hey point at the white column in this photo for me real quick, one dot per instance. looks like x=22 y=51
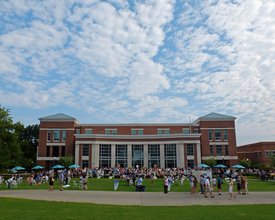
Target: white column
x=129 y=156
x=161 y=149
x=145 y=155
x=95 y=155
x=182 y=152
x=180 y=155
x=76 y=158
x=113 y=155
x=199 y=153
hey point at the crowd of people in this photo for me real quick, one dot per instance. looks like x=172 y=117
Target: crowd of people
x=204 y=184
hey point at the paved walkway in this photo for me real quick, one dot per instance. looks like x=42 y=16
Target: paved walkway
x=140 y=198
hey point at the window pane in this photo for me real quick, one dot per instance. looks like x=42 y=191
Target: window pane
x=104 y=155
x=63 y=135
x=137 y=156
x=153 y=155
x=190 y=149
x=85 y=150
x=121 y=155
x=225 y=135
x=56 y=135
x=210 y=135
x=218 y=135
x=170 y=155
x=219 y=150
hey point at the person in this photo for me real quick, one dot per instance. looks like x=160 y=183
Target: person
x=230 y=189
x=139 y=183
x=208 y=188
x=165 y=185
x=195 y=184
x=10 y=181
x=202 y=180
x=51 y=182
x=219 y=180
x=61 y=180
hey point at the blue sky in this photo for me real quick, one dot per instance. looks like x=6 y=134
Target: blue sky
x=140 y=61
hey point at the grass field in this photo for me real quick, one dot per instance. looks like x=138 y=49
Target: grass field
x=29 y=209
x=157 y=186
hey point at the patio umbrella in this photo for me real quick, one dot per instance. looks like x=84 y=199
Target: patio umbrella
x=74 y=166
x=202 y=165
x=220 y=166
x=18 y=168
x=238 y=166
x=38 y=167
x=58 y=166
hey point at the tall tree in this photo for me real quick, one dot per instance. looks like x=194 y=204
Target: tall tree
x=10 y=152
x=29 y=142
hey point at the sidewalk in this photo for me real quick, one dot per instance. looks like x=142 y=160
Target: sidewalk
x=140 y=198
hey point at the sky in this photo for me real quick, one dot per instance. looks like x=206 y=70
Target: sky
x=154 y=61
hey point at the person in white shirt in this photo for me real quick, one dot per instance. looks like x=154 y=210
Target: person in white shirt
x=208 y=189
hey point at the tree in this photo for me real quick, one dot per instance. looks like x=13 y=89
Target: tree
x=10 y=152
x=66 y=161
x=272 y=161
x=29 y=142
x=245 y=162
x=211 y=162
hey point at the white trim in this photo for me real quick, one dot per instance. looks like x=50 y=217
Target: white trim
x=230 y=128
x=220 y=157
x=48 y=158
x=85 y=158
x=218 y=143
x=55 y=144
x=110 y=129
x=155 y=136
x=191 y=157
x=53 y=129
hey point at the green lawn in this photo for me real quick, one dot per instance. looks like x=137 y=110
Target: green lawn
x=157 y=186
x=29 y=209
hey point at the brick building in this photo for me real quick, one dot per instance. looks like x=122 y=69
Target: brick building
x=257 y=153
x=161 y=145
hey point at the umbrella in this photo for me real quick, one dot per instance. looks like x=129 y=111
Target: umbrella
x=18 y=168
x=38 y=167
x=220 y=166
x=238 y=166
x=57 y=167
x=202 y=165
x=74 y=166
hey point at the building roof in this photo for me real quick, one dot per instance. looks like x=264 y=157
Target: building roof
x=215 y=117
x=57 y=117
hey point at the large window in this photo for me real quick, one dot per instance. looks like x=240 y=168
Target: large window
x=56 y=135
x=218 y=135
x=85 y=150
x=63 y=151
x=88 y=131
x=186 y=131
x=85 y=163
x=136 y=131
x=162 y=131
x=55 y=151
x=190 y=149
x=170 y=155
x=225 y=135
x=137 y=156
x=226 y=150
x=104 y=155
x=49 y=136
x=153 y=155
x=121 y=155
x=111 y=131
x=219 y=150
x=190 y=164
x=63 y=135
x=210 y=135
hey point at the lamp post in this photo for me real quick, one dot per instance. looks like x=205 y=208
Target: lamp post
x=223 y=160
x=247 y=161
x=54 y=161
